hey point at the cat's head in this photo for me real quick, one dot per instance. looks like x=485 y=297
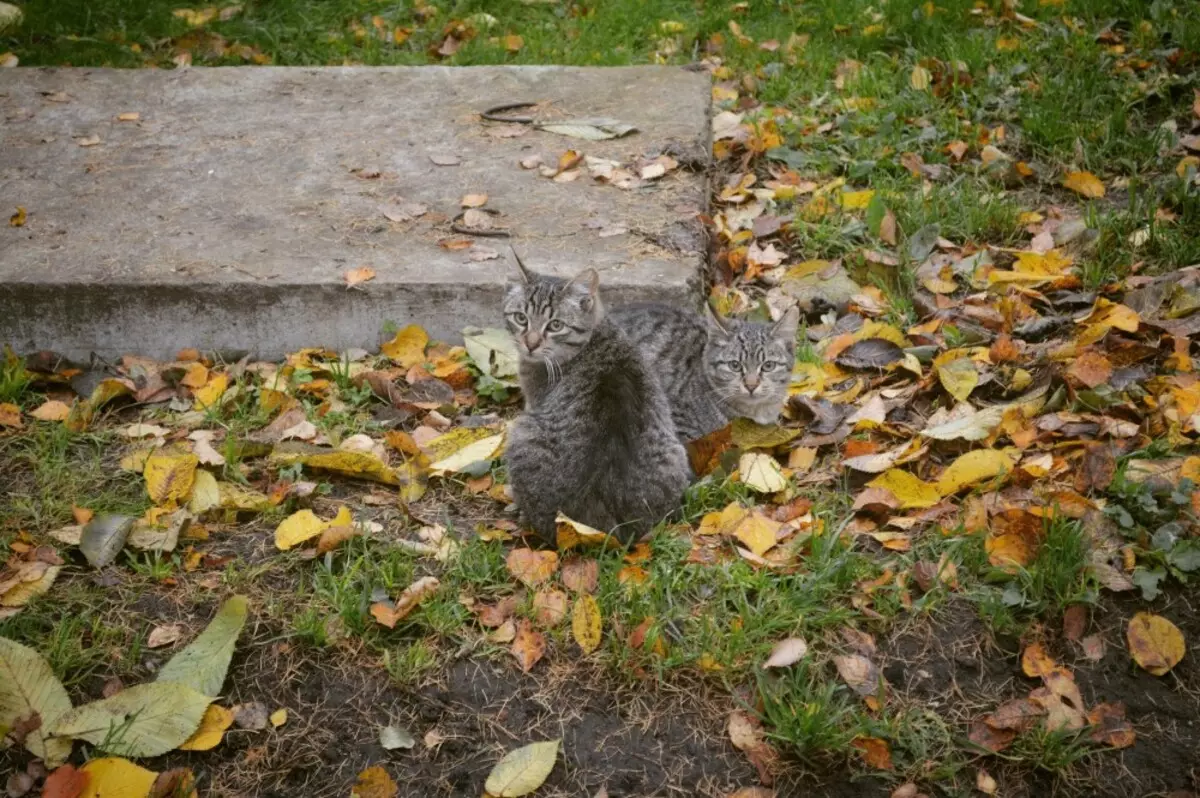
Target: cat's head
x=749 y=364
x=551 y=318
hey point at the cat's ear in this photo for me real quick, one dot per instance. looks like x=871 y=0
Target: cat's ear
x=587 y=284
x=785 y=329
x=716 y=325
x=526 y=276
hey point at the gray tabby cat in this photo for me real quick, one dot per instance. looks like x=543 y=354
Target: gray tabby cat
x=596 y=441
x=714 y=369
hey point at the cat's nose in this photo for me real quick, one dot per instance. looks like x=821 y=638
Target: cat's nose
x=532 y=341
x=751 y=381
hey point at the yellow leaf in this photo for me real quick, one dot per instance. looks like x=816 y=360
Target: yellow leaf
x=761 y=472
x=279 y=717
x=356 y=464
x=1084 y=183
x=958 y=377
x=513 y=43
x=52 y=410
x=920 y=78
x=856 y=200
x=530 y=567
x=443 y=446
x=912 y=492
x=196 y=376
x=724 y=521
x=212 y=729
x=170 y=477
x=10 y=415
x=485 y=449
x=973 y=468
x=586 y=623
x=757 y=532
x=304 y=525
x=374 y=782
x=407 y=349
x=212 y=391
x=1155 y=643
x=113 y=777
x=1007 y=44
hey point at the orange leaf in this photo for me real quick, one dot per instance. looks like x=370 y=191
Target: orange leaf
x=1036 y=662
x=359 y=275
x=413 y=595
x=1084 y=183
x=875 y=752
x=528 y=646
x=531 y=567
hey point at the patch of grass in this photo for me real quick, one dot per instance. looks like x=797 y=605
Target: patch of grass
x=14 y=379
x=409 y=664
x=50 y=469
x=1057 y=752
x=813 y=715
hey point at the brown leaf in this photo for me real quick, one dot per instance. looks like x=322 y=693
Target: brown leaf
x=1097 y=469
x=581 y=575
x=374 y=782
x=550 y=606
x=1111 y=727
x=529 y=646
x=474 y=200
x=743 y=731
x=1075 y=622
x=493 y=615
x=65 y=782
x=1014 y=538
x=1090 y=369
x=1093 y=647
x=858 y=672
x=994 y=740
x=704 y=454
x=413 y=595
x=174 y=783
x=1018 y=715
x=530 y=567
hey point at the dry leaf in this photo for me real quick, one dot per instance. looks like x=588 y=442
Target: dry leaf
x=1084 y=183
x=787 y=652
x=529 y=645
x=413 y=595
x=532 y=567
x=586 y=623
x=359 y=275
x=1155 y=643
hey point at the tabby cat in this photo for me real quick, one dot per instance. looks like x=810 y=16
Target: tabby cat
x=596 y=441
x=714 y=369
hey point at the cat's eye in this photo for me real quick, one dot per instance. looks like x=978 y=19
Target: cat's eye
x=735 y=366
x=555 y=326
x=520 y=318
x=770 y=365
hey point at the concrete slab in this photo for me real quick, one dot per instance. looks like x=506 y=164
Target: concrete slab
x=225 y=216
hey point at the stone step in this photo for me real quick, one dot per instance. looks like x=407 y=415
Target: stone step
x=225 y=216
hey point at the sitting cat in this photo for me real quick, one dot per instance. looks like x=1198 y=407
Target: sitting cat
x=714 y=369
x=596 y=441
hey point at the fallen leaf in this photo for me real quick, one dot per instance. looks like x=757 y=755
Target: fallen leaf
x=550 y=606
x=359 y=275
x=154 y=718
x=959 y=377
x=757 y=532
x=53 y=410
x=1110 y=726
x=1036 y=662
x=1155 y=643
x=580 y=575
x=529 y=645
x=374 y=782
x=985 y=783
x=413 y=595
x=474 y=200
x=586 y=623
x=589 y=129
x=65 y=782
x=18 y=218
x=213 y=390
x=278 y=717
x=10 y=416
x=972 y=468
x=522 y=771
x=761 y=472
x=1084 y=183
x=787 y=652
x=531 y=567
x=211 y=731
x=164 y=635
x=113 y=777
x=203 y=663
x=28 y=687
x=875 y=752
x=911 y=491
x=394 y=737
x=858 y=672
x=407 y=347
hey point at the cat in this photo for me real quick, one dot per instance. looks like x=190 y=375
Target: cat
x=596 y=441
x=714 y=369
